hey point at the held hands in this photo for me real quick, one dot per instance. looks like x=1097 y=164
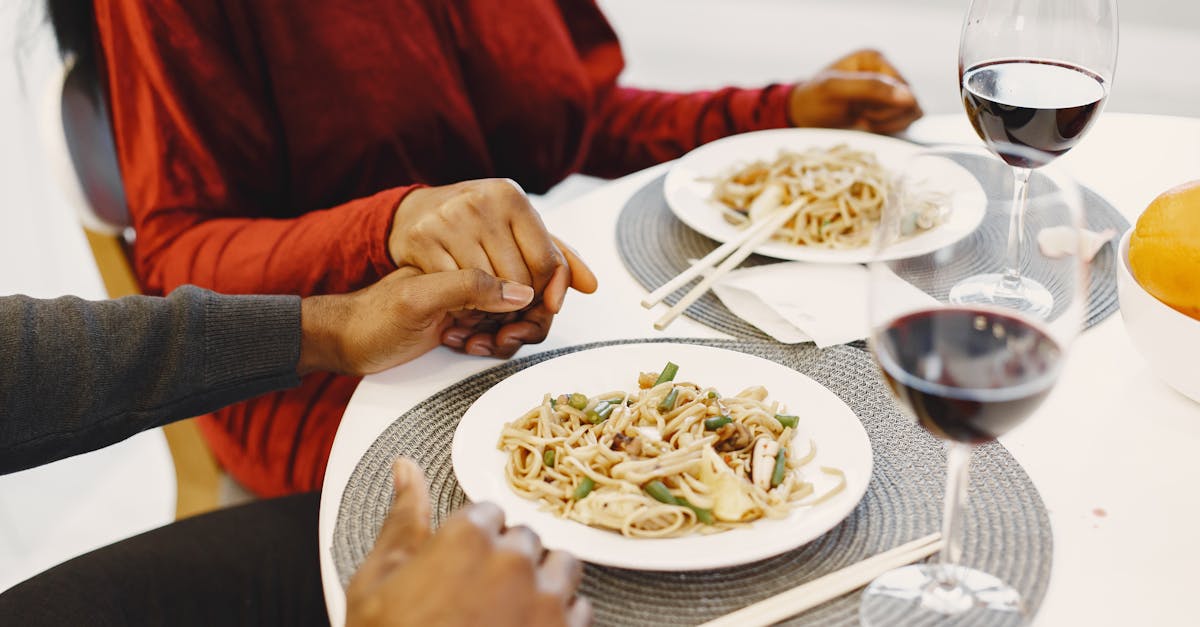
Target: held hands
x=488 y=225
x=473 y=571
x=397 y=319
x=862 y=91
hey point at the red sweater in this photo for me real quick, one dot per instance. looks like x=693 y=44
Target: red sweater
x=265 y=144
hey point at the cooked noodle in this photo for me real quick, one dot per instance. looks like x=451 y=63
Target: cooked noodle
x=604 y=473
x=840 y=192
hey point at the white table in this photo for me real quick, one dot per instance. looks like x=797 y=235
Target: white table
x=1110 y=450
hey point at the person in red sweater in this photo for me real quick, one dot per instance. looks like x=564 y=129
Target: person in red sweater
x=306 y=148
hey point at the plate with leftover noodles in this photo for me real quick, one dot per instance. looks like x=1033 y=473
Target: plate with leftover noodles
x=835 y=183
x=664 y=456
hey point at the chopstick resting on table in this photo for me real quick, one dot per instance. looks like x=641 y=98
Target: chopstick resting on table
x=829 y=587
x=737 y=250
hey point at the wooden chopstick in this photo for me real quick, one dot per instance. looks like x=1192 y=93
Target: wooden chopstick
x=743 y=250
x=829 y=587
x=712 y=258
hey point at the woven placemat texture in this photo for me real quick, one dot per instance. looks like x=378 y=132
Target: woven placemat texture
x=655 y=246
x=1008 y=531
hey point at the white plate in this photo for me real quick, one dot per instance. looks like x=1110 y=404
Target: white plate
x=841 y=443
x=689 y=194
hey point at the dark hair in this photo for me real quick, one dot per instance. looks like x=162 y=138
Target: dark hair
x=74 y=28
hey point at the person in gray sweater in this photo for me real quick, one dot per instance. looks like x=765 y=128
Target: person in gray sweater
x=77 y=375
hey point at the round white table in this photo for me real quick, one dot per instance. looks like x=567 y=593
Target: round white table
x=1109 y=450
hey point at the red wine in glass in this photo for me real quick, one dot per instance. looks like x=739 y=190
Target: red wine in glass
x=968 y=375
x=1045 y=105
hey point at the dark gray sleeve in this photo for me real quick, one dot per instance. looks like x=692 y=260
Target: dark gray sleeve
x=77 y=375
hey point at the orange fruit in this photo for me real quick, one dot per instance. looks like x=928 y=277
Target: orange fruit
x=1164 y=250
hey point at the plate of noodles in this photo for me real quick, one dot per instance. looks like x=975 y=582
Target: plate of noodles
x=835 y=181
x=662 y=456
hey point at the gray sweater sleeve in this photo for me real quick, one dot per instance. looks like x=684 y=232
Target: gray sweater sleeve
x=77 y=375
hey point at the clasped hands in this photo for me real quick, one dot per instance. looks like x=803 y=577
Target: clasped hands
x=477 y=272
x=861 y=90
x=488 y=225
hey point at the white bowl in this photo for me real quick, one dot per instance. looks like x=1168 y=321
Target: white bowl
x=1167 y=339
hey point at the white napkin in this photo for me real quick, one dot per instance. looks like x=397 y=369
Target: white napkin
x=796 y=302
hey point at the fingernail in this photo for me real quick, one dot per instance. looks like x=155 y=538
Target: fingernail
x=457 y=336
x=515 y=293
x=902 y=92
x=481 y=351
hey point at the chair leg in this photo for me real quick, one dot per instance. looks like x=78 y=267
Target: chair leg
x=114 y=266
x=197 y=475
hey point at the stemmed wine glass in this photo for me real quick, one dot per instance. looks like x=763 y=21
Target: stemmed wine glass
x=1032 y=74
x=967 y=372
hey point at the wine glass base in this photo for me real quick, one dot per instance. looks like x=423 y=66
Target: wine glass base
x=1023 y=294
x=914 y=595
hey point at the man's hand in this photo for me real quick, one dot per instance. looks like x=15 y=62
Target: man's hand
x=489 y=225
x=473 y=571
x=397 y=319
x=861 y=91
x=503 y=335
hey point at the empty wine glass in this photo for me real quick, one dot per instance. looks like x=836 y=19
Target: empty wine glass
x=1032 y=74
x=967 y=373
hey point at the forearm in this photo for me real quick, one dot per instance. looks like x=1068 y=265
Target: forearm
x=76 y=376
x=328 y=251
x=640 y=128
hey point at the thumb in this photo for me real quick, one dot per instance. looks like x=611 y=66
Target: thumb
x=441 y=292
x=407 y=524
x=404 y=530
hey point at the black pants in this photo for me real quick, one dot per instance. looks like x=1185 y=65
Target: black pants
x=255 y=564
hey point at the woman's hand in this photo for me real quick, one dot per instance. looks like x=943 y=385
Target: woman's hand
x=490 y=225
x=473 y=571
x=397 y=319
x=862 y=90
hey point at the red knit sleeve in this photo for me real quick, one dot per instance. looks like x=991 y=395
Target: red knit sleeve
x=204 y=164
x=639 y=128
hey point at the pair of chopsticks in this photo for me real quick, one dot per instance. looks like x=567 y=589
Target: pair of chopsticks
x=734 y=252
x=829 y=587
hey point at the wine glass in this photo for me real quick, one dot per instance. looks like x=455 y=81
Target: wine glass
x=967 y=373
x=1032 y=74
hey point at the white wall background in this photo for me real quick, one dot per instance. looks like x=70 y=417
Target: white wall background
x=689 y=44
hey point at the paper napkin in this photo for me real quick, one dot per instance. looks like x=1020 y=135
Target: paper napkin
x=796 y=302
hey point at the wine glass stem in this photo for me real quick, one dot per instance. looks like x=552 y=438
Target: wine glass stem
x=958 y=461
x=1011 y=282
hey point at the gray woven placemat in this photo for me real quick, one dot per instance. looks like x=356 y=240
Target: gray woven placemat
x=655 y=246
x=1008 y=531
